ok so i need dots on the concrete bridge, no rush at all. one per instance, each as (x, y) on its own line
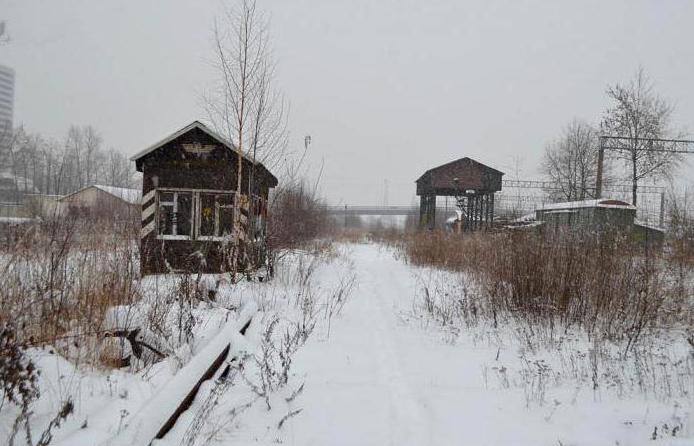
(373, 210)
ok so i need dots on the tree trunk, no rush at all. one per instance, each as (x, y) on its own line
(634, 180)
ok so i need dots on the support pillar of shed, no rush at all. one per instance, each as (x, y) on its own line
(427, 212)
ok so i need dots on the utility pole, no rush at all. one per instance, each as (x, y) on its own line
(601, 160)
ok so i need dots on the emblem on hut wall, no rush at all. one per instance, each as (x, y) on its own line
(198, 149)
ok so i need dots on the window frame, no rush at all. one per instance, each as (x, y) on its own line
(217, 214)
(174, 204)
(196, 209)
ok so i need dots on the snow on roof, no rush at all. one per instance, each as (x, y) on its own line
(132, 196)
(195, 124)
(598, 203)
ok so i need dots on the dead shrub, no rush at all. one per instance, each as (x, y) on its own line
(297, 215)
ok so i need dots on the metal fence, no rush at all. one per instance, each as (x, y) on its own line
(522, 197)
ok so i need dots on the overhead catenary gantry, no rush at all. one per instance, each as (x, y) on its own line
(608, 142)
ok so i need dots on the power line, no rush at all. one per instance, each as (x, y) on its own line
(551, 185)
(670, 146)
(675, 145)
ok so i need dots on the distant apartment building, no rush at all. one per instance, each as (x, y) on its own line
(8, 183)
(6, 112)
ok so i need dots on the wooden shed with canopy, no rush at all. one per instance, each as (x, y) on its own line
(471, 183)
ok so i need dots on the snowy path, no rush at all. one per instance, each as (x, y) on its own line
(377, 380)
(380, 380)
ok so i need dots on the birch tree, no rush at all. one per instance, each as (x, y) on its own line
(638, 113)
(244, 104)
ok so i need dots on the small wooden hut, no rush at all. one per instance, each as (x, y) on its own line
(189, 189)
(472, 184)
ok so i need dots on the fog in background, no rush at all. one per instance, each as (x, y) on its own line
(386, 89)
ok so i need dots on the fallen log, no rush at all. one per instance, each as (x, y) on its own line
(209, 373)
(160, 413)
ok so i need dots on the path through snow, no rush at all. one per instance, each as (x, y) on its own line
(380, 380)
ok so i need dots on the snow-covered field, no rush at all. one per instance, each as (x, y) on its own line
(383, 371)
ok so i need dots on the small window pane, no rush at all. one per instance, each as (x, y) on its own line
(207, 214)
(226, 214)
(166, 197)
(226, 220)
(165, 219)
(183, 214)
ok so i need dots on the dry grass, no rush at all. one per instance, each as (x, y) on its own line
(604, 317)
(606, 288)
(58, 279)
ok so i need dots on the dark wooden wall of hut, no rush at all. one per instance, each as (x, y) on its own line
(170, 166)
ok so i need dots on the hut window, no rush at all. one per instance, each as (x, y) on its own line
(175, 212)
(216, 215)
(226, 212)
(208, 215)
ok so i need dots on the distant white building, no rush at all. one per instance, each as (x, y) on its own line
(102, 202)
(6, 114)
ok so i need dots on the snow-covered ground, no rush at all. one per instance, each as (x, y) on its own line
(385, 377)
(384, 373)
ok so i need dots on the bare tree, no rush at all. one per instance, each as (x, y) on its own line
(74, 146)
(92, 147)
(637, 112)
(40, 165)
(570, 162)
(244, 105)
(117, 171)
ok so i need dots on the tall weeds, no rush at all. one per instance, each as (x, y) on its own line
(58, 280)
(607, 288)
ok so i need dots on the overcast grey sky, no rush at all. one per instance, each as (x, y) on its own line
(387, 89)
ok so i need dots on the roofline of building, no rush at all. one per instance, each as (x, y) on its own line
(199, 125)
(455, 161)
(97, 188)
(189, 127)
(608, 203)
